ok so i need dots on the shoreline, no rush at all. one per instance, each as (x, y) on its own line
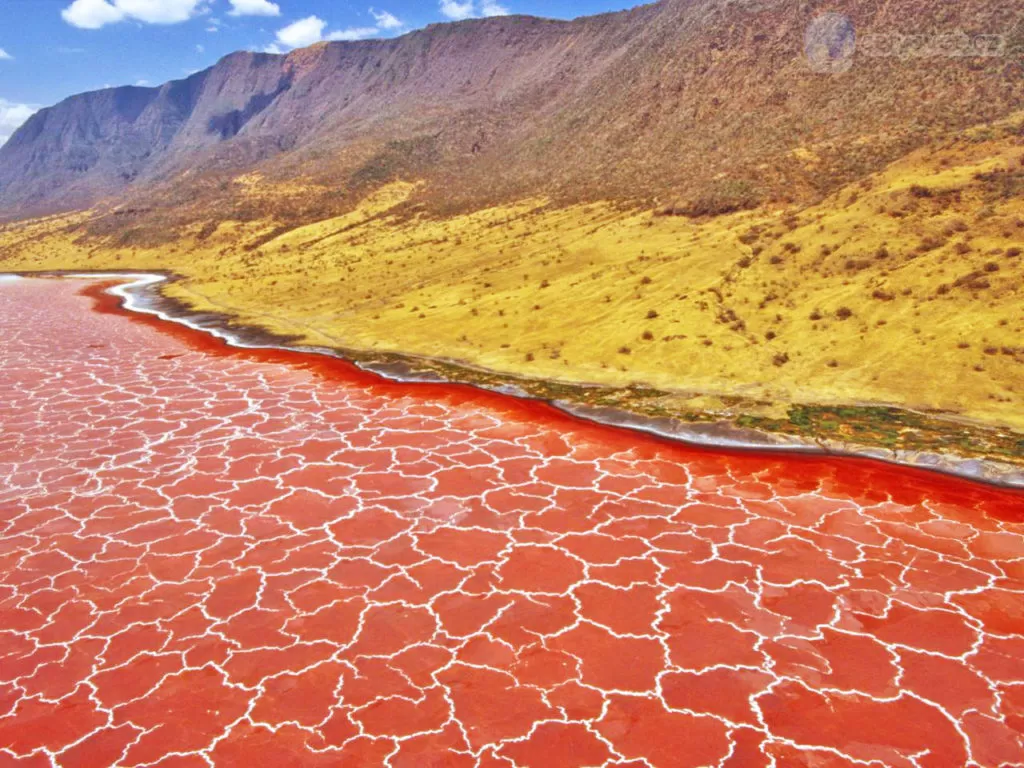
(138, 293)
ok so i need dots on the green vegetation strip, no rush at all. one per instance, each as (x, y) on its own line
(859, 426)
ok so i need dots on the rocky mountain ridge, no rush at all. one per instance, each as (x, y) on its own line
(679, 100)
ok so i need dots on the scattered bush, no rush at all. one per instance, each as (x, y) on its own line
(397, 159)
(930, 244)
(1002, 185)
(719, 198)
(973, 281)
(958, 225)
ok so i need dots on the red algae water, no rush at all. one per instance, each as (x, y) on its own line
(211, 556)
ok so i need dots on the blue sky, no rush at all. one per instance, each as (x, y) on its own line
(50, 49)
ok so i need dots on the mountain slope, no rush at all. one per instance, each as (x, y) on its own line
(889, 314)
(658, 103)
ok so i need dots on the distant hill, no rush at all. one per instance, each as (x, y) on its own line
(700, 106)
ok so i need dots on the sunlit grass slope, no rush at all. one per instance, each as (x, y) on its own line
(906, 288)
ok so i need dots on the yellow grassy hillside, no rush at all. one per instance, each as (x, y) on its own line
(904, 289)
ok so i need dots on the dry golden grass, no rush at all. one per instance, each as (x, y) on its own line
(903, 289)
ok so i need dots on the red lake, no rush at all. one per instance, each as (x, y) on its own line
(215, 556)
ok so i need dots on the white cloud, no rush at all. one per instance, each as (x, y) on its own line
(386, 20)
(254, 8)
(143, 83)
(456, 10)
(353, 33)
(301, 33)
(160, 11)
(200, 48)
(12, 116)
(312, 29)
(492, 8)
(93, 14)
(471, 9)
(5, 56)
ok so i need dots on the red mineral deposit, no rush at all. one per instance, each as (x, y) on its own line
(233, 557)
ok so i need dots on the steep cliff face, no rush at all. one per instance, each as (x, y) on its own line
(95, 143)
(654, 103)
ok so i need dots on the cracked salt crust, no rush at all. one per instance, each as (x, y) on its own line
(224, 558)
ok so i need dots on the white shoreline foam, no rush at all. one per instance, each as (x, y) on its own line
(135, 297)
